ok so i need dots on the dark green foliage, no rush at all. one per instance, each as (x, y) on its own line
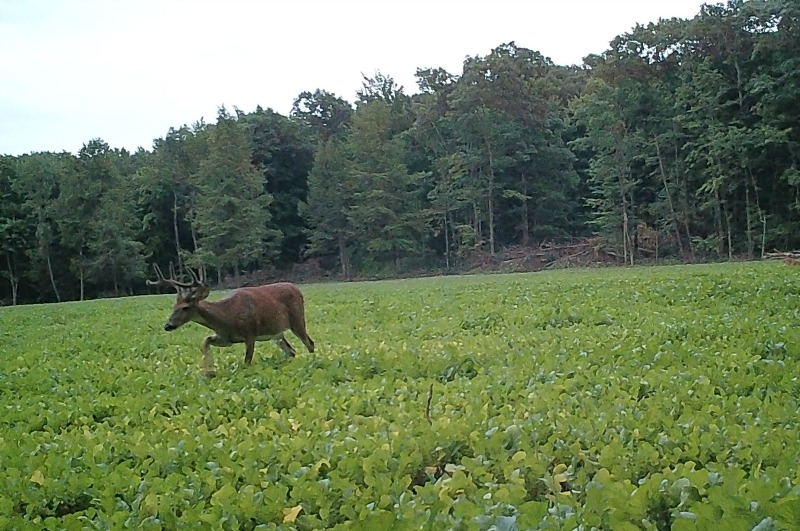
(324, 114)
(231, 210)
(16, 232)
(283, 152)
(683, 119)
(387, 214)
(330, 197)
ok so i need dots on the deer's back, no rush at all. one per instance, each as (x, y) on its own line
(263, 310)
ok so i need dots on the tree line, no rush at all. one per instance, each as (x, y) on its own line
(685, 131)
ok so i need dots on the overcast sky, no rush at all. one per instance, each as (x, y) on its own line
(128, 70)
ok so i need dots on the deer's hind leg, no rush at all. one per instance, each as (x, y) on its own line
(286, 347)
(298, 328)
(208, 359)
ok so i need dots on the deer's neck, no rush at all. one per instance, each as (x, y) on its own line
(210, 316)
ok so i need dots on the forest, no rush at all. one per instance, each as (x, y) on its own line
(685, 132)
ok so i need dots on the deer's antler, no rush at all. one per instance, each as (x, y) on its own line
(172, 282)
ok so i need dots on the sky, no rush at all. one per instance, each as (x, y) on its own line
(126, 71)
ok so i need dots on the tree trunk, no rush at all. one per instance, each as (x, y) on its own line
(718, 222)
(627, 248)
(343, 257)
(193, 231)
(657, 238)
(476, 224)
(739, 84)
(12, 278)
(627, 251)
(44, 248)
(684, 195)
(194, 237)
(761, 217)
(177, 233)
(446, 241)
(52, 277)
(80, 268)
(728, 235)
(525, 220)
(447, 224)
(672, 212)
(491, 225)
(490, 193)
(749, 218)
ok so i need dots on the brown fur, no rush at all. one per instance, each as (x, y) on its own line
(246, 315)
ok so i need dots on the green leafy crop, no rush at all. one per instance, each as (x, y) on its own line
(642, 398)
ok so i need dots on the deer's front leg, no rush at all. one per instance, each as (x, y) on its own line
(249, 346)
(208, 359)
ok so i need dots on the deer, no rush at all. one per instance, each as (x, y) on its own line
(246, 315)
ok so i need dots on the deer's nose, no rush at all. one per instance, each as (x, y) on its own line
(168, 327)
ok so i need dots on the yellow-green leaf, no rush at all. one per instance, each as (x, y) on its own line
(290, 514)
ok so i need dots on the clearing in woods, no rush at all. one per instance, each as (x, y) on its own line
(641, 398)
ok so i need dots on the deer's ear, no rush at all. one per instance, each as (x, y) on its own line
(202, 292)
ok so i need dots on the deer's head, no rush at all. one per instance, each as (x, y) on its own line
(189, 296)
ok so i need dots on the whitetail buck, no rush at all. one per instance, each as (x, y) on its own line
(246, 315)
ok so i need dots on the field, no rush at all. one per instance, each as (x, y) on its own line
(641, 398)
